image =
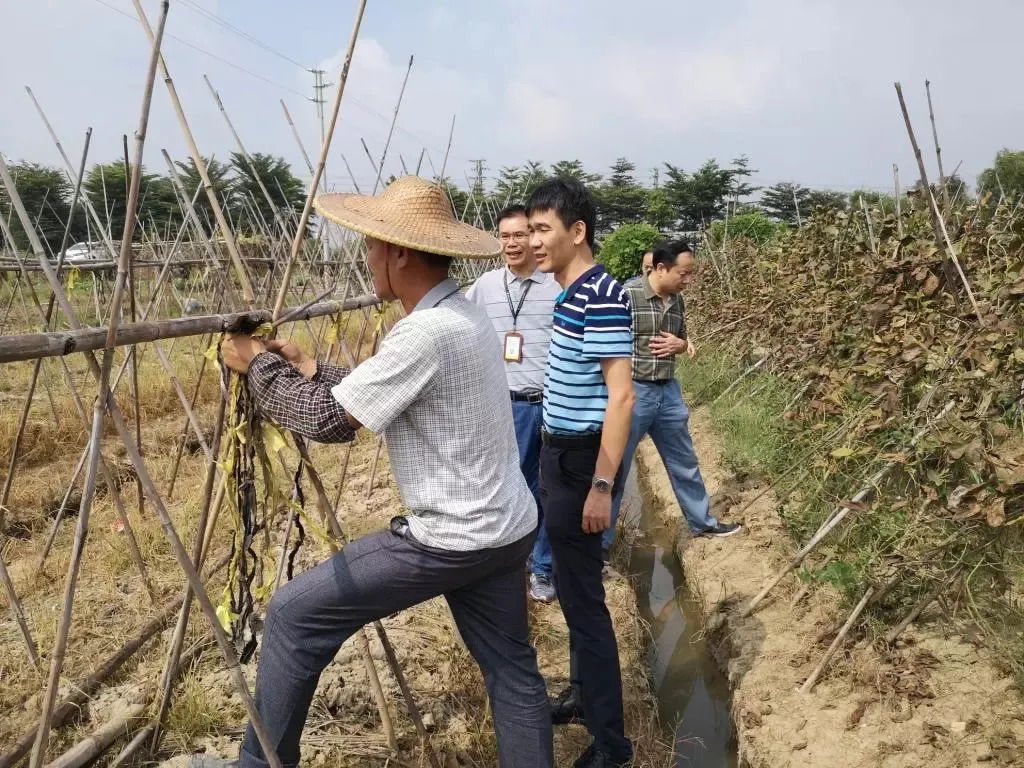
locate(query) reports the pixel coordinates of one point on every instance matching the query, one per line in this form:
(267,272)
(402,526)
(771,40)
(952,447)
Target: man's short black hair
(510,212)
(667,253)
(435,261)
(569,199)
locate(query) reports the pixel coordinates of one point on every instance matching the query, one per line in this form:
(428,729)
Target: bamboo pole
(938,149)
(899,208)
(59,343)
(838,517)
(60,644)
(81,692)
(391,130)
(37,366)
(197,158)
(307,209)
(132,358)
(871,229)
(811,681)
(178,638)
(448,149)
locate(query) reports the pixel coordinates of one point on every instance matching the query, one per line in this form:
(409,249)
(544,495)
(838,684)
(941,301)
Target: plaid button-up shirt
(433,391)
(651,316)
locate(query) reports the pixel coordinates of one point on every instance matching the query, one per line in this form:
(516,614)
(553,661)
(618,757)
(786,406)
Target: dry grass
(111,603)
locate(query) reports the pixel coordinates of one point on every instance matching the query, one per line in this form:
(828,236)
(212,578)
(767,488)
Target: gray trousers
(310,618)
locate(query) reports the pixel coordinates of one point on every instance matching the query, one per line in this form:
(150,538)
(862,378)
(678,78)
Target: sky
(802,87)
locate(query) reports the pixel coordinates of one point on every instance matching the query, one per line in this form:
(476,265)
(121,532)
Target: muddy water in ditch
(693,695)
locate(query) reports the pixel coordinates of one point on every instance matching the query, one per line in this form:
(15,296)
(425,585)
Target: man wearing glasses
(520,300)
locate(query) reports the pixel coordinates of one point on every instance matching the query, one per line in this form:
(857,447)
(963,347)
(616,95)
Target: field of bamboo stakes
(116,421)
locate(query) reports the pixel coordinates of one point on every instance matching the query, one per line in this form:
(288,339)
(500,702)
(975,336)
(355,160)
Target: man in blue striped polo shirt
(588,402)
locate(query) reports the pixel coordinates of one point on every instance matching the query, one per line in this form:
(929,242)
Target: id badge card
(513,347)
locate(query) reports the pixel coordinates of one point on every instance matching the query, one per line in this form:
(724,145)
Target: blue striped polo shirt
(592,321)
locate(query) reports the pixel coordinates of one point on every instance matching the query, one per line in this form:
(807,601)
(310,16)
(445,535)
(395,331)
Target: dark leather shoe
(566,707)
(596,758)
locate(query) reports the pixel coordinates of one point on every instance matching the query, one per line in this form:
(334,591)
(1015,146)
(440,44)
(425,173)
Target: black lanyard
(522,298)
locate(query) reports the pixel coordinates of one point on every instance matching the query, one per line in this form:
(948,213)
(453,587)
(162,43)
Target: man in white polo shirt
(520,300)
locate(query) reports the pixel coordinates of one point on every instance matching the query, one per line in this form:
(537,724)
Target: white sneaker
(541,588)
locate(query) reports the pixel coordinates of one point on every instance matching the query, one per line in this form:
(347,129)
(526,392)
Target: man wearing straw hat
(430,391)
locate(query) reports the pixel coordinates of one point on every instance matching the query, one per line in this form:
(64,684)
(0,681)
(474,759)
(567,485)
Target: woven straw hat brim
(422,228)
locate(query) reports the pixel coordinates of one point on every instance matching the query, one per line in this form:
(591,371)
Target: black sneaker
(593,757)
(566,708)
(721,530)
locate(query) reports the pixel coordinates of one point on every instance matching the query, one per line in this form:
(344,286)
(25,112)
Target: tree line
(242,186)
(673,200)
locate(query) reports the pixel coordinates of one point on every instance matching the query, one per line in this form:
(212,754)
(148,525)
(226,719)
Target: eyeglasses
(506,236)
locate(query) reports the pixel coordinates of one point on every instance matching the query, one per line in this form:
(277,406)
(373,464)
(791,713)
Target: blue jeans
(659,410)
(528,418)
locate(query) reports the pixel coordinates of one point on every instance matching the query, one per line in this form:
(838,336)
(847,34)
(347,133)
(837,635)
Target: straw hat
(413,213)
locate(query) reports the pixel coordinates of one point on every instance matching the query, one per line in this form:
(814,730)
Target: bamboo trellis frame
(69,334)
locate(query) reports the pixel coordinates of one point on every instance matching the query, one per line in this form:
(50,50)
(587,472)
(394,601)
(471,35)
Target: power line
(221,21)
(195,47)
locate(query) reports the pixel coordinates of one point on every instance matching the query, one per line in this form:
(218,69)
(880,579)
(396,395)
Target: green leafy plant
(622,252)
(754,226)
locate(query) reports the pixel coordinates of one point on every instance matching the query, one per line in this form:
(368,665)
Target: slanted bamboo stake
(55,527)
(951,253)
(899,209)
(19,614)
(100,740)
(248,159)
(60,644)
(298,139)
(178,638)
(841,515)
(361,641)
(920,160)
(917,610)
(741,377)
(871,229)
(938,149)
(809,684)
(391,130)
(37,366)
(448,149)
(81,692)
(73,389)
(307,209)
(133,746)
(218,213)
(796,205)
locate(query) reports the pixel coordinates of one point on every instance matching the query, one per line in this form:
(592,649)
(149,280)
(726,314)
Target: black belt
(534,396)
(659,382)
(583,440)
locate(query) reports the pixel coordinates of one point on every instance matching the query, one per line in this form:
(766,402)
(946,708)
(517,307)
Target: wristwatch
(601,485)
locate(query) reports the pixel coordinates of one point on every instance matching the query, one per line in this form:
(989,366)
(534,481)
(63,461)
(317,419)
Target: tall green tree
(1006,176)
(658,211)
(701,197)
(105,185)
(220,178)
(782,201)
(287,192)
(825,200)
(620,199)
(573,169)
(46,194)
